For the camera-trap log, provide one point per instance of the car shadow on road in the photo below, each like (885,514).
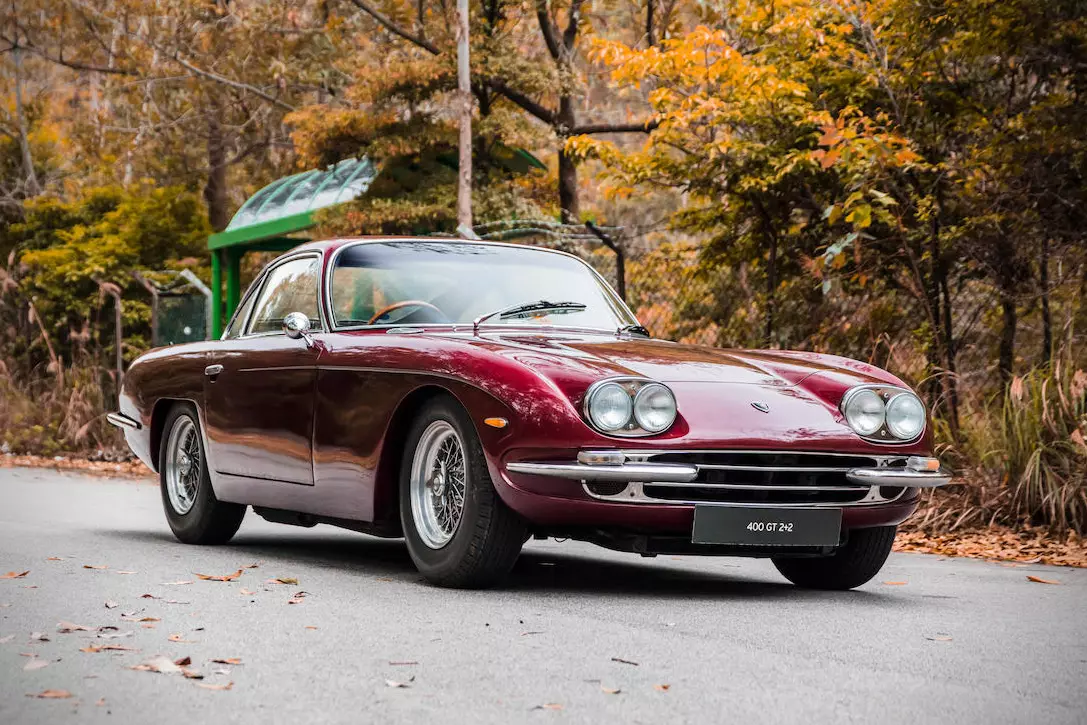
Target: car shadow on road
(537,571)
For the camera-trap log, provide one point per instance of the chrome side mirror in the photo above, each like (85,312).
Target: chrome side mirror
(296,327)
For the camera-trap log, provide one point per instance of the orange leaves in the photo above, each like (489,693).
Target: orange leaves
(14,575)
(1040,580)
(220,578)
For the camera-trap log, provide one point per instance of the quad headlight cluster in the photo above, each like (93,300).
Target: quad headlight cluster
(884,413)
(630,407)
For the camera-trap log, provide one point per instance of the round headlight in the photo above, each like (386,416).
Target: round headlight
(654,408)
(610,407)
(865,412)
(905,416)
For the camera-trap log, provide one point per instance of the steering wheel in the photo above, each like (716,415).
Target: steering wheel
(397,305)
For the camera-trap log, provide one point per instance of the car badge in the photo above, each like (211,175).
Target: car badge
(760,406)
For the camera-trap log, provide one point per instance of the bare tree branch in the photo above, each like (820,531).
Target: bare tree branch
(394,28)
(547,27)
(592,128)
(536,109)
(59,59)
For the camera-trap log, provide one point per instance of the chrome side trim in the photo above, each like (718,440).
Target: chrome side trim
(647,472)
(899,477)
(123,421)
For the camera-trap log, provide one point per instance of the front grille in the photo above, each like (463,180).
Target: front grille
(761,477)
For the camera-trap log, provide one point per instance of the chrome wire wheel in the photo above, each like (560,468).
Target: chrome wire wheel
(437,484)
(184,463)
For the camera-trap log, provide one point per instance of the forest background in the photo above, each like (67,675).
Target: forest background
(898,181)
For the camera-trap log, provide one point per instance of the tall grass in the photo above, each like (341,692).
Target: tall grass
(1021,457)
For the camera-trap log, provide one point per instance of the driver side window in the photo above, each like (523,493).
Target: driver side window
(290,287)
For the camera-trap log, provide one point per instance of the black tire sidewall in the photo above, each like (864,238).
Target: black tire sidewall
(190,527)
(441,562)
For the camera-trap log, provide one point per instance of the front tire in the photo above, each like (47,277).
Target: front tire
(194,514)
(459,532)
(850,566)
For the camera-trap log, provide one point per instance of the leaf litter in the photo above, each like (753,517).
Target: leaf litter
(14,574)
(51,695)
(220,577)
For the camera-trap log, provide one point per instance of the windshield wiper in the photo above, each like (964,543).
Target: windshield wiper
(529,309)
(634,329)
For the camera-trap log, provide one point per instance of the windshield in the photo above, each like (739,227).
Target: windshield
(420,282)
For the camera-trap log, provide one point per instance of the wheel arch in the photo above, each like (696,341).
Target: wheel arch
(387,478)
(159,413)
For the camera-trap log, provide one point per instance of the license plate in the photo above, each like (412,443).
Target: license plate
(766,526)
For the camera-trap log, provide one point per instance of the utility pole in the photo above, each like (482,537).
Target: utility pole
(464,93)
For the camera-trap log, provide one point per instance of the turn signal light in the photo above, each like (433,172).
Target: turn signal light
(921,463)
(496,422)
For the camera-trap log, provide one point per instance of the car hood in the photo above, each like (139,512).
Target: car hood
(563,357)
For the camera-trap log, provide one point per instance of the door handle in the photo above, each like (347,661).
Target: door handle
(212,370)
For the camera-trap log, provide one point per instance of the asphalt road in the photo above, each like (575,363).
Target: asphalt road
(704,640)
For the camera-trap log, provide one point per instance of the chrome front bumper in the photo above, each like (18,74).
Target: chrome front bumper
(613,466)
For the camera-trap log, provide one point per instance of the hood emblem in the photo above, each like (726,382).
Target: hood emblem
(760,406)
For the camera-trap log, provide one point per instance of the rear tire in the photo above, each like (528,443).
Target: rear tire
(850,566)
(194,514)
(459,532)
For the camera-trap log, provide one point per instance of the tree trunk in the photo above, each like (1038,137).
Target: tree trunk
(650,36)
(771,288)
(1007,336)
(1047,320)
(30,175)
(568,196)
(464,88)
(215,190)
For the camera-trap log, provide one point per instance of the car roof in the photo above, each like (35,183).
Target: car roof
(331,245)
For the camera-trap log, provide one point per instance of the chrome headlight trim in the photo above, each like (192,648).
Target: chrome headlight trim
(632,386)
(887,393)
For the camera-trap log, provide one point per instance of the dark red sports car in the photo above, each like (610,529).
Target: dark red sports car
(468,395)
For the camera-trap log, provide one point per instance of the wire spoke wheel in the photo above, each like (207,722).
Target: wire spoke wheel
(437,484)
(184,464)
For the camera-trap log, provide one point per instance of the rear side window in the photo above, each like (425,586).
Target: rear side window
(290,287)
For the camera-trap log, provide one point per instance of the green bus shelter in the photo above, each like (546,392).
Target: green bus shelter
(273,219)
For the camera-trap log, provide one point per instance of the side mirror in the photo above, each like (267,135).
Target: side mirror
(296,326)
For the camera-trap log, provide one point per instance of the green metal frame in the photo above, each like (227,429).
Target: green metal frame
(227,249)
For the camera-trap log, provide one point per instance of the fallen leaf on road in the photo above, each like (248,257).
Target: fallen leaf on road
(133,618)
(246,592)
(283,580)
(183,661)
(252,566)
(68,627)
(101,702)
(52,695)
(35,664)
(55,558)
(39,637)
(526,634)
(147,626)
(108,627)
(895,584)
(110,604)
(610,690)
(114,635)
(176,584)
(14,575)
(107,648)
(208,686)
(160,664)
(94,566)
(228,660)
(310,626)
(5,640)
(191,674)
(30,586)
(625,662)
(222,578)
(394,683)
(939,638)
(396,663)
(149,596)
(119,571)
(383,579)
(297,598)
(178,638)
(1040,580)
(548,706)
(662,688)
